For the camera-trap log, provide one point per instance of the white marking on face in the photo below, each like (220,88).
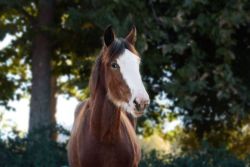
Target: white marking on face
(129,67)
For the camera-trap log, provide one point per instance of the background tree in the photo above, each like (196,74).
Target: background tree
(204,45)
(40,106)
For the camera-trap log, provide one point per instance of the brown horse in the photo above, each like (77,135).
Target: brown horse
(103,134)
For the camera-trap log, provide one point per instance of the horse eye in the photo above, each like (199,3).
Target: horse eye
(114,65)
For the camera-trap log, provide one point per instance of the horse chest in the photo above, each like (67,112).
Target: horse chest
(100,154)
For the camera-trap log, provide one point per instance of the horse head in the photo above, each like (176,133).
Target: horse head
(119,74)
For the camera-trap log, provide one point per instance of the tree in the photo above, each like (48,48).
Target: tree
(55,44)
(34,25)
(40,107)
(204,45)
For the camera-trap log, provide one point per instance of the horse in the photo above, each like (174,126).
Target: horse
(103,133)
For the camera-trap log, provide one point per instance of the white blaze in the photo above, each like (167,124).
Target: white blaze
(129,67)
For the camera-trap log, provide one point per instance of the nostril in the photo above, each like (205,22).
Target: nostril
(137,105)
(135,102)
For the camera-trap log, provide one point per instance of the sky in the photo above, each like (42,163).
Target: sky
(65,108)
(6,41)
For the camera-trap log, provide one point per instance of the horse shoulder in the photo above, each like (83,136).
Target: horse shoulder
(72,147)
(77,120)
(79,116)
(80,107)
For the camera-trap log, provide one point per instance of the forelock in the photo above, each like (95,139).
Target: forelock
(118,47)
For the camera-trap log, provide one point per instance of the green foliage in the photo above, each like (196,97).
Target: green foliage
(154,158)
(34,151)
(206,157)
(209,158)
(202,64)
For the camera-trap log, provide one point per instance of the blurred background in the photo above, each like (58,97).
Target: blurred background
(195,66)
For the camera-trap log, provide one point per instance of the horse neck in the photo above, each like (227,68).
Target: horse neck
(105,118)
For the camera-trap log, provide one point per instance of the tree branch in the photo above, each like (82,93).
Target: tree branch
(156,18)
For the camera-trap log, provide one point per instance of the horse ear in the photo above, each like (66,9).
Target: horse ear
(131,37)
(109,35)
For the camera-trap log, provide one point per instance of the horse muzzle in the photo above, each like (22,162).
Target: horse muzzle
(140,105)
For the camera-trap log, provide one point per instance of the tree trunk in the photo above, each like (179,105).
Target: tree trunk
(40,106)
(53,100)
